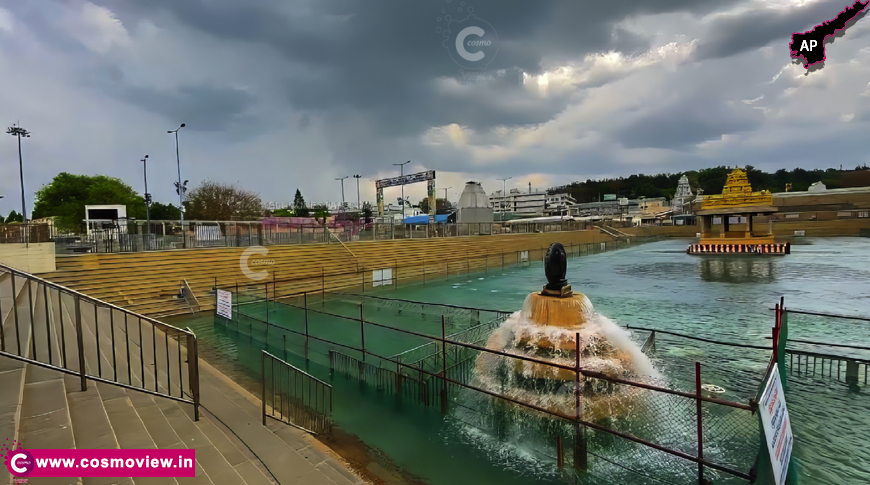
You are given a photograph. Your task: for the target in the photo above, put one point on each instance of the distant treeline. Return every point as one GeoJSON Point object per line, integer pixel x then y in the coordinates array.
{"type": "Point", "coordinates": [711, 180]}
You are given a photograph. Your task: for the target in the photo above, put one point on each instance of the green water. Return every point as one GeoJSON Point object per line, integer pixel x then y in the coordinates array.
{"type": "Point", "coordinates": [656, 285]}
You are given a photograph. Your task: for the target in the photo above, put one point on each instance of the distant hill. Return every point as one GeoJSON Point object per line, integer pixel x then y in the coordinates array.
{"type": "Point", "coordinates": [711, 180]}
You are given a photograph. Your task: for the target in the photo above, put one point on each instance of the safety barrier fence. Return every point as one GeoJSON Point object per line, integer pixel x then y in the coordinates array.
{"type": "Point", "coordinates": [805, 361]}
{"type": "Point", "coordinates": [165, 235]}
{"type": "Point", "coordinates": [584, 409]}
{"type": "Point", "coordinates": [381, 277]}
{"type": "Point", "coordinates": [21, 233]}
{"type": "Point", "coordinates": [850, 365]}
{"type": "Point", "coordinates": [52, 326]}
{"type": "Point", "coordinates": [294, 396]}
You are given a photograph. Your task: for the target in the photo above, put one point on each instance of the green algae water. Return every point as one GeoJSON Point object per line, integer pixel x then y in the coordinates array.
{"type": "Point", "coordinates": [656, 285]}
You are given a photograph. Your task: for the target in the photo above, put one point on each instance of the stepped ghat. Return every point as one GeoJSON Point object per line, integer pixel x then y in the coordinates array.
{"type": "Point", "coordinates": [737, 201]}
{"type": "Point", "coordinates": [78, 373]}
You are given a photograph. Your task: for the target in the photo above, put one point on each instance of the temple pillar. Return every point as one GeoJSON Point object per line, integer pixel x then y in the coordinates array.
{"type": "Point", "coordinates": [749, 224]}
{"type": "Point", "coordinates": [725, 224]}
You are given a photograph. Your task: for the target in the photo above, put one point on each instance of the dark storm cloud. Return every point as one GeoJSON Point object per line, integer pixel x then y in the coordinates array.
{"type": "Point", "coordinates": [204, 108]}
{"type": "Point", "coordinates": [381, 57]}
{"type": "Point", "coordinates": [732, 34]}
{"type": "Point", "coordinates": [687, 123]}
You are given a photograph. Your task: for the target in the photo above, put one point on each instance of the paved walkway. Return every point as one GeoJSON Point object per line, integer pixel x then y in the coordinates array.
{"type": "Point", "coordinates": [291, 455]}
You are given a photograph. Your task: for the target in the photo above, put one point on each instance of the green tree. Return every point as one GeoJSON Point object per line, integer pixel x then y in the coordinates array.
{"type": "Point", "coordinates": [283, 213]}
{"type": "Point", "coordinates": [164, 212]}
{"type": "Point", "coordinates": [321, 213]}
{"type": "Point", "coordinates": [67, 195]}
{"type": "Point", "coordinates": [299, 207]}
{"type": "Point", "coordinates": [214, 201]}
{"type": "Point", "coordinates": [367, 212]}
{"type": "Point", "coordinates": [13, 217]}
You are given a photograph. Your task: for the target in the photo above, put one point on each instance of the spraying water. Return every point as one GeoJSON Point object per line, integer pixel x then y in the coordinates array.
{"type": "Point", "coordinates": [604, 347]}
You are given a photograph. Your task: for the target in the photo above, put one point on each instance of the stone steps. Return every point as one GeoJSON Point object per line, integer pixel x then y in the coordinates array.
{"type": "Point", "coordinates": [41, 407]}
{"type": "Point", "coordinates": [46, 408]}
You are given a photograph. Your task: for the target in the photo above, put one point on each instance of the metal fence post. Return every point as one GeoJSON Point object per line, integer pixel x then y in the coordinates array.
{"type": "Point", "coordinates": [81, 344]}
{"type": "Point", "coordinates": [322, 286]}
{"type": "Point", "coordinates": [15, 311]}
{"type": "Point", "coordinates": [305, 302]}
{"type": "Point", "coordinates": [443, 366]}
{"type": "Point", "coordinates": [580, 456]}
{"type": "Point", "coordinates": [700, 425]}
{"type": "Point", "coordinates": [33, 324]}
{"type": "Point", "coordinates": [263, 384]}
{"type": "Point", "coordinates": [193, 370]}
{"type": "Point", "coordinates": [362, 331]}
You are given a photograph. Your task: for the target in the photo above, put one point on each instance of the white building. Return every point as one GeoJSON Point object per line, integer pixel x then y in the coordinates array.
{"type": "Point", "coordinates": [518, 204]}
{"type": "Point", "coordinates": [559, 204]}
{"type": "Point", "coordinates": [474, 205]}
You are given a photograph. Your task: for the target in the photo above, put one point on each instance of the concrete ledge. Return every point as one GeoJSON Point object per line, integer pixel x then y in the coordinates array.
{"type": "Point", "coordinates": [32, 258]}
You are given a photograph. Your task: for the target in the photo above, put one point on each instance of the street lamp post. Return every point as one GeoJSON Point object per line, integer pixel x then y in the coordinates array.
{"type": "Point", "coordinates": [503, 194]}
{"type": "Point", "coordinates": [357, 177]}
{"type": "Point", "coordinates": [180, 187]}
{"type": "Point", "coordinates": [18, 131]}
{"type": "Point", "coordinates": [342, 190]}
{"type": "Point", "coordinates": [402, 173]}
{"type": "Point", "coordinates": [445, 198]}
{"type": "Point", "coordinates": [147, 195]}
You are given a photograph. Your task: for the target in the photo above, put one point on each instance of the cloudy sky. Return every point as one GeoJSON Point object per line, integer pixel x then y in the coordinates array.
{"type": "Point", "coordinates": [284, 94]}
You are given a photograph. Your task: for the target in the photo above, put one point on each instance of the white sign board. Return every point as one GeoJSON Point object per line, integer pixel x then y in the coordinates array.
{"type": "Point", "coordinates": [800, 233]}
{"type": "Point", "coordinates": [777, 427]}
{"type": "Point", "coordinates": [382, 277]}
{"type": "Point", "coordinates": [225, 304]}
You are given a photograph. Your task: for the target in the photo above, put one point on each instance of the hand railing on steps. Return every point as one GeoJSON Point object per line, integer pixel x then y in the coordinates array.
{"type": "Point", "coordinates": [55, 327]}
{"type": "Point", "coordinates": [294, 396]}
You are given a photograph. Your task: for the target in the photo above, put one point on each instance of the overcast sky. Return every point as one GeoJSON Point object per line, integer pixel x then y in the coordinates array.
{"type": "Point", "coordinates": [279, 95]}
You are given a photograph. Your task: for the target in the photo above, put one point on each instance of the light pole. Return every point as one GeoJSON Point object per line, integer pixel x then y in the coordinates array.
{"type": "Point", "coordinates": [180, 187]}
{"type": "Point", "coordinates": [357, 177]}
{"type": "Point", "coordinates": [503, 194]}
{"type": "Point", "coordinates": [18, 131]}
{"type": "Point", "coordinates": [147, 195]}
{"type": "Point", "coordinates": [402, 173]}
{"type": "Point", "coordinates": [445, 199]}
{"type": "Point", "coordinates": [342, 190]}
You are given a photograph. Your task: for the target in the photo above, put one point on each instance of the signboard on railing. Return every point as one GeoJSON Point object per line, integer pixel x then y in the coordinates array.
{"type": "Point", "coordinates": [225, 304]}
{"type": "Point", "coordinates": [777, 427]}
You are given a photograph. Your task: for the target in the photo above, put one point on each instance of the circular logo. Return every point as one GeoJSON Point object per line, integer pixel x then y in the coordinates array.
{"type": "Point", "coordinates": [246, 267]}
{"type": "Point", "coordinates": [472, 42]}
{"type": "Point", "coordinates": [20, 463]}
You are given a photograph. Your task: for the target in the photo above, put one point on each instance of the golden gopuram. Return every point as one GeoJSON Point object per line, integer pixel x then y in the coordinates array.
{"type": "Point", "coordinates": [726, 221]}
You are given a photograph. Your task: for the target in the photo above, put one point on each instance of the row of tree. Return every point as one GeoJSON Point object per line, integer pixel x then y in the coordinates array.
{"type": "Point", "coordinates": [66, 196]}
{"type": "Point", "coordinates": [710, 180]}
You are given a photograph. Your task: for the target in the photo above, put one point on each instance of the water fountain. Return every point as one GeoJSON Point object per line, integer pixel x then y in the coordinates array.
{"type": "Point", "coordinates": [548, 328]}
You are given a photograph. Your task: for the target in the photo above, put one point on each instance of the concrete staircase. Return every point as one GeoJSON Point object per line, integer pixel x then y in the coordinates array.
{"type": "Point", "coordinates": [613, 232]}
{"type": "Point", "coordinates": [46, 408]}
{"type": "Point", "coordinates": [147, 282]}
